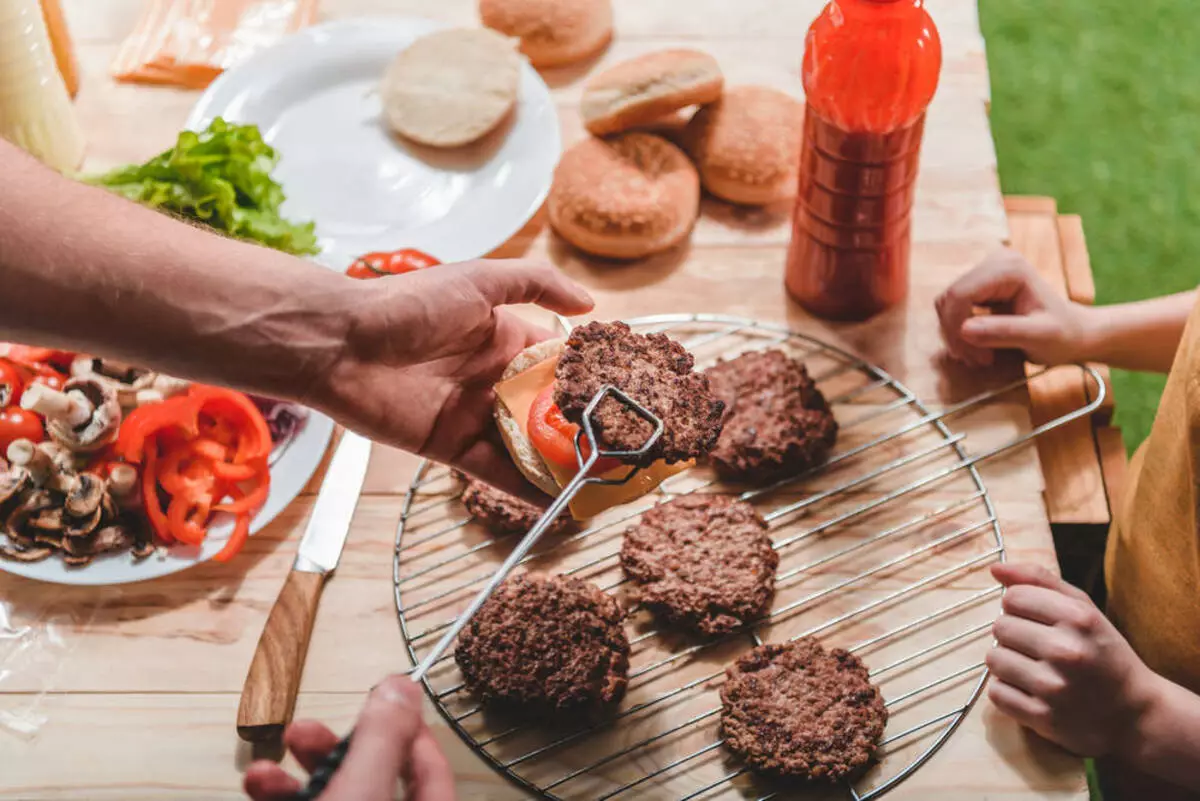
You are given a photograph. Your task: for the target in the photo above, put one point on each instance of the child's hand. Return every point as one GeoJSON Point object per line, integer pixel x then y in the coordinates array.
{"type": "Point", "coordinates": [1028, 315]}
{"type": "Point", "coordinates": [1062, 669]}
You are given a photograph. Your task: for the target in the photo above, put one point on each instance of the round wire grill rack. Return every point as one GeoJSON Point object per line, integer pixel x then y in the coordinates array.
{"type": "Point", "coordinates": [883, 551]}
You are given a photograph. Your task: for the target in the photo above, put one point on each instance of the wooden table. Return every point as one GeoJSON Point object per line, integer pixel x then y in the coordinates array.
{"type": "Point", "coordinates": [137, 700]}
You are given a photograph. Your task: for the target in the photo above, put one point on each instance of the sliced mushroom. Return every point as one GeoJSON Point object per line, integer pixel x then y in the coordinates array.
{"type": "Point", "coordinates": [125, 380]}
{"type": "Point", "coordinates": [123, 485]}
{"type": "Point", "coordinates": [16, 524]}
{"type": "Point", "coordinates": [169, 386]}
{"type": "Point", "coordinates": [35, 554]}
{"type": "Point", "coordinates": [49, 520]}
{"type": "Point", "coordinates": [112, 538]}
{"type": "Point", "coordinates": [54, 539]}
{"type": "Point", "coordinates": [83, 418]}
{"type": "Point", "coordinates": [85, 495]}
{"type": "Point", "coordinates": [13, 483]}
{"type": "Point", "coordinates": [82, 526]}
{"type": "Point", "coordinates": [77, 561]}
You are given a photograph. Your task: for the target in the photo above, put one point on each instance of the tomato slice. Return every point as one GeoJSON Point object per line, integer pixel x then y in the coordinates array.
{"type": "Point", "coordinates": [12, 383]}
{"type": "Point", "coordinates": [380, 264]}
{"type": "Point", "coordinates": [32, 356]}
{"type": "Point", "coordinates": [554, 435]}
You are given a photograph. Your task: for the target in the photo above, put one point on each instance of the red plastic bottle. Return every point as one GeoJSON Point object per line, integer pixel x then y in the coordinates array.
{"type": "Point", "coordinates": [870, 70]}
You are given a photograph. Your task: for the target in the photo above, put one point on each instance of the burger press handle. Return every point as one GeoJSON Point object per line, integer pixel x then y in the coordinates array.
{"type": "Point", "coordinates": [321, 777]}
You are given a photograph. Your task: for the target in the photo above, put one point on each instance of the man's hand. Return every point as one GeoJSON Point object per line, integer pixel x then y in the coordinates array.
{"type": "Point", "coordinates": [1028, 315]}
{"type": "Point", "coordinates": [391, 743]}
{"type": "Point", "coordinates": [1062, 669]}
{"type": "Point", "coordinates": [424, 350]}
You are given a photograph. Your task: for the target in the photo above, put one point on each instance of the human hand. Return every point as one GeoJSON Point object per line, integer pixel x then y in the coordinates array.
{"type": "Point", "coordinates": [1061, 668]}
{"type": "Point", "coordinates": [391, 742]}
{"type": "Point", "coordinates": [424, 350]}
{"type": "Point", "coordinates": [1028, 315]}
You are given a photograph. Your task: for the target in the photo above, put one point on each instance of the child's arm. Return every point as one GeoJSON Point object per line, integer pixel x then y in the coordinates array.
{"type": "Point", "coordinates": [1062, 669]}
{"type": "Point", "coordinates": [1030, 316]}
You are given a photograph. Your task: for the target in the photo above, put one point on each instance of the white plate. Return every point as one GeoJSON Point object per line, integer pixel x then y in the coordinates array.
{"type": "Point", "coordinates": [315, 98]}
{"type": "Point", "coordinates": [293, 466]}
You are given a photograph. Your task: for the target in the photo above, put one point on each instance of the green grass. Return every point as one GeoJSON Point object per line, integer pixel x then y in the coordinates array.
{"type": "Point", "coordinates": [1097, 103]}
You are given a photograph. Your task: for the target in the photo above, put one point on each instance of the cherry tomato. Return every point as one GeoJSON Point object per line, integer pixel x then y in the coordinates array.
{"type": "Point", "coordinates": [11, 383]}
{"type": "Point", "coordinates": [378, 265]}
{"type": "Point", "coordinates": [44, 374]}
{"type": "Point", "coordinates": [17, 423]}
{"type": "Point", "coordinates": [31, 356]}
{"type": "Point", "coordinates": [554, 436]}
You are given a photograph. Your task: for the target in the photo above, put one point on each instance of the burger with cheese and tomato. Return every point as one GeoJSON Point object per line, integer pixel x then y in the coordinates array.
{"type": "Point", "coordinates": [541, 398]}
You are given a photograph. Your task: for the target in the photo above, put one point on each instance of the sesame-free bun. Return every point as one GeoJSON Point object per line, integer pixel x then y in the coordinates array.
{"type": "Point", "coordinates": [747, 145]}
{"type": "Point", "coordinates": [552, 32]}
{"type": "Point", "coordinates": [451, 87]}
{"type": "Point", "coordinates": [624, 197]}
{"type": "Point", "coordinates": [526, 457]}
{"type": "Point", "coordinates": [645, 88]}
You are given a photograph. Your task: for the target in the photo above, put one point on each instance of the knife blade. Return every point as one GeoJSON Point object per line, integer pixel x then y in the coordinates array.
{"type": "Point", "coordinates": [269, 694]}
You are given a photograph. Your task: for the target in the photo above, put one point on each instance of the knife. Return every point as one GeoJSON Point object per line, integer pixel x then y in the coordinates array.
{"type": "Point", "coordinates": [269, 695]}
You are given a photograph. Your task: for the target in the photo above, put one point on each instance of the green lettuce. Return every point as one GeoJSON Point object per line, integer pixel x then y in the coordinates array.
{"type": "Point", "coordinates": [220, 177]}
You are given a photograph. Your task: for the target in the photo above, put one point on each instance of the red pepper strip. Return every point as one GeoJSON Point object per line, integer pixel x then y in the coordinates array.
{"type": "Point", "coordinates": [254, 437]}
{"type": "Point", "coordinates": [209, 449]}
{"type": "Point", "coordinates": [250, 501]}
{"type": "Point", "coordinates": [154, 510]}
{"type": "Point", "coordinates": [145, 422]}
{"type": "Point", "coordinates": [234, 473]}
{"type": "Point", "coordinates": [188, 518]}
{"type": "Point", "coordinates": [241, 532]}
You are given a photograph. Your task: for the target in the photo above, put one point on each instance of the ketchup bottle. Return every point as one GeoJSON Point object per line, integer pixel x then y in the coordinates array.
{"type": "Point", "coordinates": [870, 70]}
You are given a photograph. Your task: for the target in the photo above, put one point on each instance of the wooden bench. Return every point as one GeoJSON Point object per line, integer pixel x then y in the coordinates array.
{"type": "Point", "coordinates": [1083, 463]}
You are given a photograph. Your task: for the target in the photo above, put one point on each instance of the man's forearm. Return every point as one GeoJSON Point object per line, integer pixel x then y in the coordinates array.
{"type": "Point", "coordinates": [1138, 336]}
{"type": "Point", "coordinates": [1166, 741]}
{"type": "Point", "coordinates": [82, 269]}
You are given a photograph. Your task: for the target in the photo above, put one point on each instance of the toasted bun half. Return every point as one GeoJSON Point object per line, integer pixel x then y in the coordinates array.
{"type": "Point", "coordinates": [552, 32]}
{"type": "Point", "coordinates": [526, 457]}
{"type": "Point", "coordinates": [451, 87]}
{"type": "Point", "coordinates": [747, 145]}
{"type": "Point", "coordinates": [645, 88]}
{"type": "Point", "coordinates": [625, 197]}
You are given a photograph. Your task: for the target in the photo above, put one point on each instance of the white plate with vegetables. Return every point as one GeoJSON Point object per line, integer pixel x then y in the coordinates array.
{"type": "Point", "coordinates": [88, 442]}
{"type": "Point", "coordinates": [315, 96]}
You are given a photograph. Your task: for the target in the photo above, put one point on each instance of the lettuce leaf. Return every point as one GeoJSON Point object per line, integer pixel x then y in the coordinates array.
{"type": "Point", "coordinates": [220, 177]}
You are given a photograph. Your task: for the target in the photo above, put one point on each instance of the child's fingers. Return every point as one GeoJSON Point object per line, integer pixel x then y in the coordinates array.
{"type": "Point", "coordinates": [1035, 640]}
{"type": "Point", "coordinates": [1022, 707]}
{"type": "Point", "coordinates": [1044, 606]}
{"type": "Point", "coordinates": [1012, 574]}
{"type": "Point", "coordinates": [1031, 676]}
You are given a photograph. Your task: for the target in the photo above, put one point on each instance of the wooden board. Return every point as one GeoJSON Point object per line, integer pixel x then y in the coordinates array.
{"type": "Point", "coordinates": [146, 677]}
{"type": "Point", "coordinates": [1074, 482]}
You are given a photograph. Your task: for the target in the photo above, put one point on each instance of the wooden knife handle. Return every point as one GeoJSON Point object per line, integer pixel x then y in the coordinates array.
{"type": "Point", "coordinates": [269, 696]}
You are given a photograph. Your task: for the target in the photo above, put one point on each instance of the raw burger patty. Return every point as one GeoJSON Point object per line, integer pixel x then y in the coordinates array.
{"type": "Point", "coordinates": [546, 645]}
{"type": "Point", "coordinates": [502, 513]}
{"type": "Point", "coordinates": [702, 562]}
{"type": "Point", "coordinates": [653, 370]}
{"type": "Point", "coordinates": [797, 710]}
{"type": "Point", "coordinates": [777, 423]}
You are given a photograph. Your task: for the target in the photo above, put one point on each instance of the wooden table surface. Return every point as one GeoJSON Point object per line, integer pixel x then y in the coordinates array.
{"type": "Point", "coordinates": [131, 692]}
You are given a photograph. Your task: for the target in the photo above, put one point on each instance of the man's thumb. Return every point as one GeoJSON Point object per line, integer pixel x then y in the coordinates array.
{"type": "Point", "coordinates": [383, 740]}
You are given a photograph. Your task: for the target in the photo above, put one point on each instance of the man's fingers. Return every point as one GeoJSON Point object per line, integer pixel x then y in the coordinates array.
{"type": "Point", "coordinates": [309, 742]}
{"type": "Point", "coordinates": [429, 777]}
{"type": "Point", "coordinates": [512, 281]}
{"type": "Point", "coordinates": [489, 461]}
{"type": "Point", "coordinates": [1012, 574]}
{"type": "Point", "coordinates": [383, 741]}
{"type": "Point", "coordinates": [266, 781]}
{"type": "Point", "coordinates": [1028, 675]}
{"type": "Point", "coordinates": [1006, 331]}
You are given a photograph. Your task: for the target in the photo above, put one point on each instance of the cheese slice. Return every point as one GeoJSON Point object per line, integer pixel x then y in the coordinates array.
{"type": "Point", "coordinates": [518, 394]}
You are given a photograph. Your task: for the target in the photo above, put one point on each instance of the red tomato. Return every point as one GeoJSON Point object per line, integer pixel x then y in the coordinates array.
{"type": "Point", "coordinates": [43, 374]}
{"type": "Point", "coordinates": [17, 423]}
{"type": "Point", "coordinates": [31, 356]}
{"type": "Point", "coordinates": [378, 265]}
{"type": "Point", "coordinates": [11, 383]}
{"type": "Point", "coordinates": [554, 436]}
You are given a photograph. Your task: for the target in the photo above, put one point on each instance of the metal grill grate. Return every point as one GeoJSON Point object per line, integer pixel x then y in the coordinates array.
{"type": "Point", "coordinates": [883, 551]}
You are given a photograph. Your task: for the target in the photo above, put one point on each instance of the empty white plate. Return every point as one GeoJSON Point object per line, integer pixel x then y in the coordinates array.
{"type": "Point", "coordinates": [315, 98]}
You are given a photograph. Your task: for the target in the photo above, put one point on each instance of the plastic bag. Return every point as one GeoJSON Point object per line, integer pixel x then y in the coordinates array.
{"type": "Point", "coordinates": [190, 42]}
